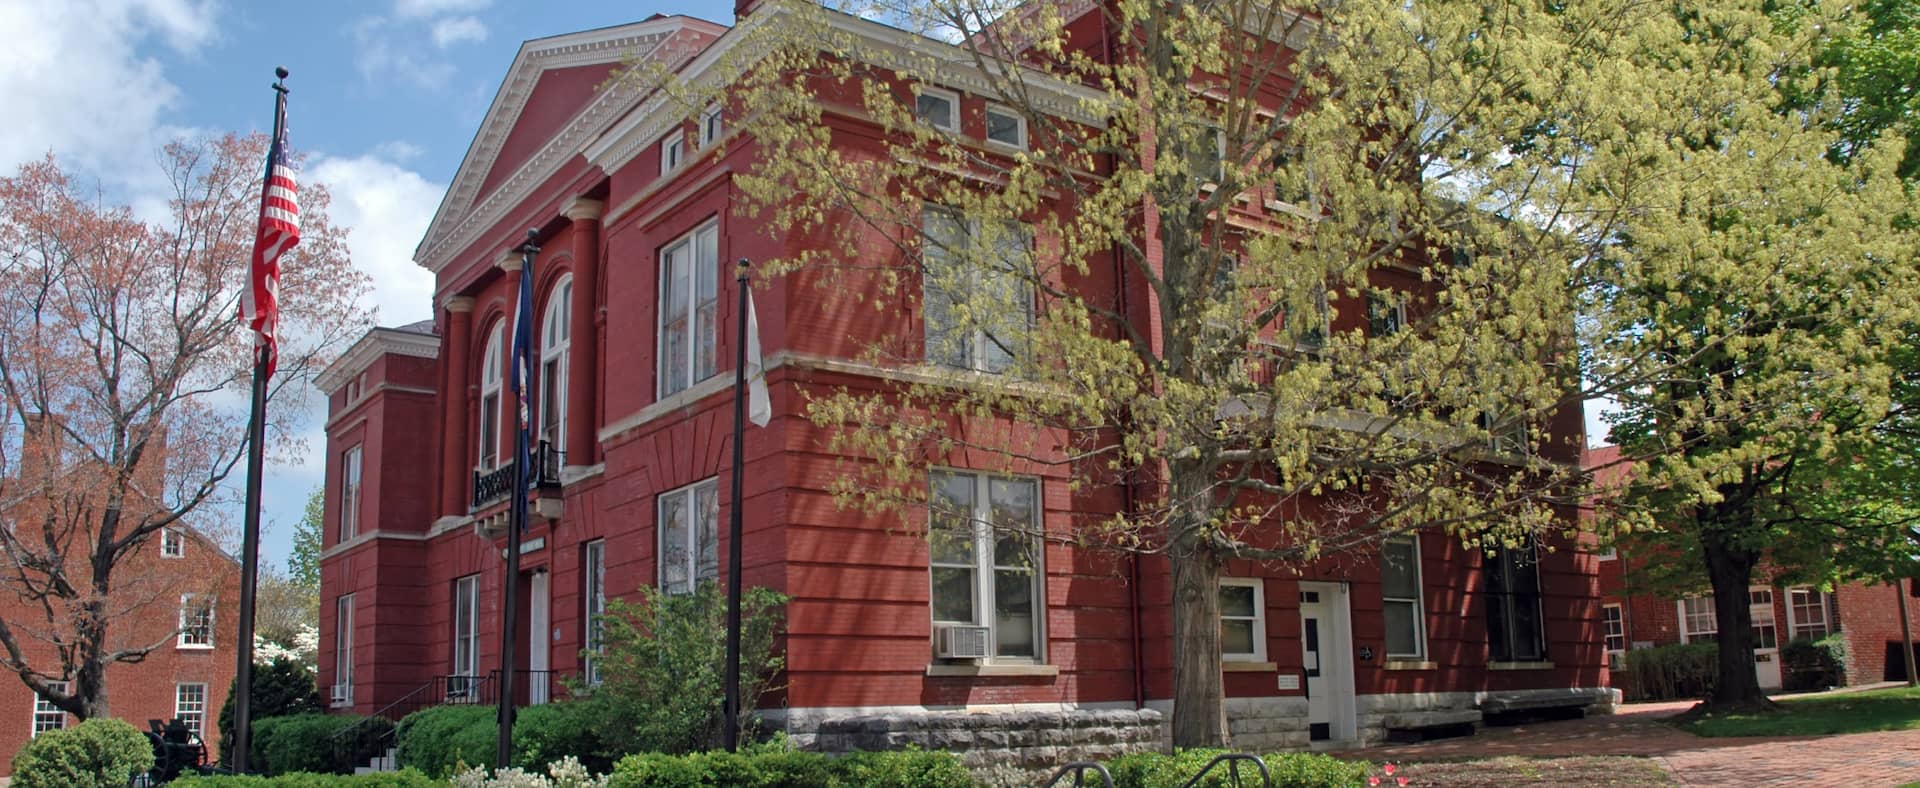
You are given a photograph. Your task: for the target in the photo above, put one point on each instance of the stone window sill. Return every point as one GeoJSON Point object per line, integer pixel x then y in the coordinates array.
{"type": "Point", "coordinates": [944, 669]}
{"type": "Point", "coordinates": [1248, 667]}
{"type": "Point", "coordinates": [1410, 664]}
{"type": "Point", "coordinates": [1541, 665]}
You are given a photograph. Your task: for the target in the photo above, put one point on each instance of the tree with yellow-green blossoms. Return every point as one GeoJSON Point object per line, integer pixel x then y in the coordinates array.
{"type": "Point", "coordinates": [1290, 281]}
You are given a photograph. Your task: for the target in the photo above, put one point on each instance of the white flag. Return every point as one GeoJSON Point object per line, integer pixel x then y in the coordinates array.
{"type": "Point", "coordinates": [759, 407]}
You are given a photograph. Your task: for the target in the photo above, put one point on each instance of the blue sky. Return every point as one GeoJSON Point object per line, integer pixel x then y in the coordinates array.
{"type": "Point", "coordinates": [386, 96]}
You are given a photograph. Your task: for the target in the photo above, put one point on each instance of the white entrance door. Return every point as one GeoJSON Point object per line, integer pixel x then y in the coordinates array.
{"type": "Point", "coordinates": [538, 644]}
{"type": "Point", "coordinates": [1766, 637]}
{"type": "Point", "coordinates": [1327, 649]}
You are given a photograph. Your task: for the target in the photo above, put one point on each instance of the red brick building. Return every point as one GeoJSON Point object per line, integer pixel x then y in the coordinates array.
{"type": "Point", "coordinates": [632, 209]}
{"type": "Point", "coordinates": [1869, 615]}
{"type": "Point", "coordinates": [178, 589]}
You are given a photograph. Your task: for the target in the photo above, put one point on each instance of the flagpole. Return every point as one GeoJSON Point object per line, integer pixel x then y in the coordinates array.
{"type": "Point", "coordinates": [732, 735]}
{"type": "Point", "coordinates": [250, 530]}
{"type": "Point", "coordinates": [516, 511]}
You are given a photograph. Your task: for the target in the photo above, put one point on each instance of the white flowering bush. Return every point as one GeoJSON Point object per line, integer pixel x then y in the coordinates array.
{"type": "Point", "coordinates": [564, 773]}
{"type": "Point", "coordinates": [305, 649]}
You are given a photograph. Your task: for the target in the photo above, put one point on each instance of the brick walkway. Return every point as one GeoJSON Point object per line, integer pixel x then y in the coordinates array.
{"type": "Point", "coordinates": [1858, 759]}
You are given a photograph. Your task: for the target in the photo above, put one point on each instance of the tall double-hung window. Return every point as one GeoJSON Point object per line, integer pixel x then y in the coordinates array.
{"type": "Point", "coordinates": [689, 309]}
{"type": "Point", "coordinates": [492, 365]}
{"type": "Point", "coordinates": [689, 536]}
{"type": "Point", "coordinates": [466, 635]}
{"type": "Point", "coordinates": [555, 338]}
{"type": "Point", "coordinates": [978, 296]}
{"type": "Point", "coordinates": [984, 535]}
{"type": "Point", "coordinates": [593, 597]}
{"type": "Point", "coordinates": [1400, 593]}
{"type": "Point", "coordinates": [1515, 631]}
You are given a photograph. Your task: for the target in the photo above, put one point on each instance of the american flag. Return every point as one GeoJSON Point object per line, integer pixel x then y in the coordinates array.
{"type": "Point", "coordinates": [279, 231]}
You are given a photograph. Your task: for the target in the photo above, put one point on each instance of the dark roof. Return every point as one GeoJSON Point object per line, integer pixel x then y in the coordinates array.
{"type": "Point", "coordinates": [421, 327]}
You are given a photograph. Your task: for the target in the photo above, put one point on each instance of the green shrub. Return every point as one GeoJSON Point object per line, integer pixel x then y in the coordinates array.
{"type": "Point", "coordinates": [910, 768]}
{"type": "Point", "coordinates": [1676, 670]}
{"type": "Point", "coordinates": [663, 663]}
{"type": "Point", "coordinates": [441, 739]}
{"type": "Point", "coordinates": [98, 753]}
{"type": "Point", "coordinates": [779, 767]}
{"type": "Point", "coordinates": [405, 778]}
{"type": "Point", "coordinates": [1815, 664]}
{"type": "Point", "coordinates": [546, 733]}
{"type": "Point", "coordinates": [281, 688]}
{"type": "Point", "coordinates": [1291, 769]}
{"type": "Point", "coordinates": [312, 742]}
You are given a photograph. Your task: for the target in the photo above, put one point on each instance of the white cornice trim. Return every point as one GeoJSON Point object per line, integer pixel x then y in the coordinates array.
{"type": "Point", "coordinates": [377, 343]}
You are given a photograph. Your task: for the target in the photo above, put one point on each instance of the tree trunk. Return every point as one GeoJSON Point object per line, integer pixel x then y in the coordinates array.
{"type": "Point", "coordinates": [1199, 711]}
{"type": "Point", "coordinates": [1730, 568]}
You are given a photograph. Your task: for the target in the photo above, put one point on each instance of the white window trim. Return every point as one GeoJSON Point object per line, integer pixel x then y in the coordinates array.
{"type": "Point", "coordinates": [173, 542]}
{"type": "Point", "coordinates": [984, 567]}
{"type": "Point", "coordinates": [1793, 617]}
{"type": "Point", "coordinates": [352, 463]}
{"type": "Point", "coordinates": [673, 150]}
{"type": "Point", "coordinates": [199, 726]}
{"type": "Point", "coordinates": [977, 336]}
{"type": "Point", "coordinates": [1687, 634]}
{"type": "Point", "coordinates": [709, 134]}
{"type": "Point", "coordinates": [186, 605]}
{"type": "Point", "coordinates": [691, 240]}
{"type": "Point", "coordinates": [466, 589]}
{"type": "Point", "coordinates": [691, 494]}
{"type": "Point", "coordinates": [1616, 657]}
{"type": "Point", "coordinates": [556, 342]}
{"type": "Point", "coordinates": [343, 648]}
{"type": "Point", "coordinates": [1259, 653]}
{"type": "Point", "coordinates": [43, 707]}
{"type": "Point", "coordinates": [1419, 600]}
{"type": "Point", "coordinates": [594, 570]}
{"type": "Point", "coordinates": [1020, 127]}
{"type": "Point", "coordinates": [492, 364]}
{"type": "Point", "coordinates": [953, 101]}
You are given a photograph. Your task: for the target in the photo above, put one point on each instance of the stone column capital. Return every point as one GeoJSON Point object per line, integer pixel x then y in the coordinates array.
{"type": "Point", "coordinates": [509, 261]}
{"type": "Point", "coordinates": [582, 209]}
{"type": "Point", "coordinates": [459, 304]}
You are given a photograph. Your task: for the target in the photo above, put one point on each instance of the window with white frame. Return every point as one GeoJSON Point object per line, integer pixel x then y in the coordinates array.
{"type": "Point", "coordinates": [711, 126]}
{"type": "Point", "coordinates": [979, 271]}
{"type": "Point", "coordinates": [190, 706]}
{"type": "Point", "coordinates": [1400, 592]}
{"type": "Point", "coordinates": [1516, 631]}
{"type": "Point", "coordinates": [689, 309]}
{"type": "Point", "coordinates": [1243, 620]}
{"type": "Point", "coordinates": [343, 650]}
{"type": "Point", "coordinates": [173, 542]}
{"type": "Point", "coordinates": [937, 108]}
{"type": "Point", "coordinates": [466, 634]}
{"type": "Point", "coordinates": [46, 716]}
{"type": "Point", "coordinates": [349, 494]}
{"type": "Point", "coordinates": [593, 597]}
{"type": "Point", "coordinates": [673, 151]}
{"type": "Point", "coordinates": [492, 364]}
{"type": "Point", "coordinates": [984, 538]}
{"type": "Point", "coordinates": [1386, 315]}
{"type": "Point", "coordinates": [1006, 127]}
{"type": "Point", "coordinates": [555, 339]}
{"type": "Point", "coordinates": [1613, 628]}
{"type": "Point", "coordinates": [1807, 613]}
{"type": "Point", "coordinates": [1311, 326]}
{"type": "Point", "coordinates": [689, 536]}
{"type": "Point", "coordinates": [196, 621]}
{"type": "Point", "coordinates": [1698, 620]}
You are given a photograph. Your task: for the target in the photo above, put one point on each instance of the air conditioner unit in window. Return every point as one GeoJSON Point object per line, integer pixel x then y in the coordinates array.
{"type": "Point", "coordinates": [343, 693]}
{"type": "Point", "coordinates": [952, 641]}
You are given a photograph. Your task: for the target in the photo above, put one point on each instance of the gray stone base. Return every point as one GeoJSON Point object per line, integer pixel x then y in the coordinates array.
{"type": "Point", "coordinates": [1024, 740]}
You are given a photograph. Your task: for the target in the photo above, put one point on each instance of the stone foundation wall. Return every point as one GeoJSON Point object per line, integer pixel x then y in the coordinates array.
{"type": "Point", "coordinates": [1028, 741]}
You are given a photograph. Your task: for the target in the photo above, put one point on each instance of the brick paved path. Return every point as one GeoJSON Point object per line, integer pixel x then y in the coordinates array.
{"type": "Point", "coordinates": [1858, 759]}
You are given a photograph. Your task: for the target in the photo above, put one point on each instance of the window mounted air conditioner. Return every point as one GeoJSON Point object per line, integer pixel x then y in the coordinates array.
{"type": "Point", "coordinates": [951, 641]}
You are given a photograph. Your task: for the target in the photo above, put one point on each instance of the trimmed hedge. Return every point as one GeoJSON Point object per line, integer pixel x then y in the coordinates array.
{"type": "Point", "coordinates": [1292, 769]}
{"type": "Point", "coordinates": [442, 739]}
{"type": "Point", "coordinates": [1815, 664]}
{"type": "Point", "coordinates": [775, 767]}
{"type": "Point", "coordinates": [98, 753]}
{"type": "Point", "coordinates": [281, 688]}
{"type": "Point", "coordinates": [1676, 670]}
{"type": "Point", "coordinates": [405, 778]}
{"type": "Point", "coordinates": [307, 743]}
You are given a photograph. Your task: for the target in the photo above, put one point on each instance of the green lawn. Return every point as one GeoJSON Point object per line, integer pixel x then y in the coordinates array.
{"type": "Point", "coordinates": [1511, 770]}
{"type": "Point", "coordinates": [1896, 709]}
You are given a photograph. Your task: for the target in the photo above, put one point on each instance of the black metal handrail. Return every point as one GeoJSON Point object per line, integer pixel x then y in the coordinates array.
{"type": "Point", "coordinates": [495, 485]}
{"type": "Point", "coordinates": [1232, 759]}
{"type": "Point", "coordinates": [1079, 771]}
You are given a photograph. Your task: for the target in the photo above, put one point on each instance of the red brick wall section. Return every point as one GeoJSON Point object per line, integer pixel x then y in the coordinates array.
{"type": "Point", "coordinates": [1870, 616]}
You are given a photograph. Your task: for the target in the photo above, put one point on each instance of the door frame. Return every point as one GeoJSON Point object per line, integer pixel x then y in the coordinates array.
{"type": "Point", "coordinates": [1336, 659]}
{"type": "Point", "coordinates": [539, 645]}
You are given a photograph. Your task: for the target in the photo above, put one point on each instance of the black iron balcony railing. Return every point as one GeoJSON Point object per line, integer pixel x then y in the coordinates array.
{"type": "Point", "coordinates": [492, 486]}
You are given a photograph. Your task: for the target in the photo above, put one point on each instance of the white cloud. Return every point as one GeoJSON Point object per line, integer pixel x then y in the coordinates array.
{"type": "Point", "coordinates": [397, 151]}
{"type": "Point", "coordinates": [454, 30]}
{"type": "Point", "coordinates": [85, 94]}
{"type": "Point", "coordinates": [388, 208]}
{"type": "Point", "coordinates": [417, 9]}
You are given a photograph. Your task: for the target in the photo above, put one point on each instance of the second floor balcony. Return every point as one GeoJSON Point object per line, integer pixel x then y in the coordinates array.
{"type": "Point", "coordinates": [495, 485]}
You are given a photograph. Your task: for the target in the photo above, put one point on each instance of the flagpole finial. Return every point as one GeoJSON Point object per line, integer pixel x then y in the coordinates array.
{"type": "Point", "coordinates": [745, 267]}
{"type": "Point", "coordinates": [280, 81]}
{"type": "Point", "coordinates": [280, 71]}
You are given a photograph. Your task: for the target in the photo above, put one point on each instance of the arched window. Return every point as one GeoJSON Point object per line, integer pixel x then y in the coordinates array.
{"type": "Point", "coordinates": [491, 365]}
{"type": "Point", "coordinates": [554, 340]}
